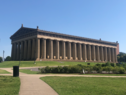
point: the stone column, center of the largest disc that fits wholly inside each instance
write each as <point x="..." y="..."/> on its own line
<point x="89" y="52"/>
<point x="37" y="49"/>
<point x="98" y="57"/>
<point x="51" y="49"/>
<point x="18" y="51"/>
<point x="64" y="50"/>
<point x="75" y="53"/>
<point x="12" y="52"/>
<point x="105" y="54"/>
<point x="22" y="50"/>
<point x="15" y="50"/>
<point x="69" y="50"/>
<point x="113" y="55"/>
<point x="109" y="54"/>
<point x="29" y="49"/>
<point x="84" y="52"/>
<point x="80" y="52"/>
<point x="25" y="50"/>
<point x="57" y="50"/>
<point x="33" y="49"/>
<point x="102" y="55"/>
<point x="93" y="53"/>
<point x="44" y="47"/>
<point x="41" y="48"/>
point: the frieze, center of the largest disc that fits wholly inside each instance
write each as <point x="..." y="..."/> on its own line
<point x="27" y="32"/>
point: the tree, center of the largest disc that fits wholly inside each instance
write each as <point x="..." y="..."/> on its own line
<point x="1" y="59"/>
<point x="121" y="57"/>
<point x="8" y="58"/>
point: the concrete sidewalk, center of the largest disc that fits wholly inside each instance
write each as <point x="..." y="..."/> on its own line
<point x="32" y="85"/>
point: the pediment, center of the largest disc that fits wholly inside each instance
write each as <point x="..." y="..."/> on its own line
<point x="23" y="31"/>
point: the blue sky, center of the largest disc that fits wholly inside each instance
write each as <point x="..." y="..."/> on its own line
<point x="105" y="19"/>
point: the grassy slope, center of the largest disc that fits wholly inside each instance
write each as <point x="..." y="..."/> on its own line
<point x="4" y="72"/>
<point x="9" y="85"/>
<point x="38" y="63"/>
<point x="87" y="85"/>
<point x="28" y="71"/>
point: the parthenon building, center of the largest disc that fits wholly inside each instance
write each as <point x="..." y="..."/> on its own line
<point x="35" y="44"/>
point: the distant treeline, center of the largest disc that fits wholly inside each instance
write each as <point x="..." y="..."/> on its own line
<point x="121" y="57"/>
<point x="8" y="58"/>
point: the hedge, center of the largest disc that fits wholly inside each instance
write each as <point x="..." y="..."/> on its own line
<point x="79" y="68"/>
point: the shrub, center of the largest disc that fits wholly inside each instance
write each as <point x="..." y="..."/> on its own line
<point x="48" y="69"/>
<point x="88" y="63"/>
<point x="79" y="68"/>
<point x="121" y="70"/>
<point x="115" y="70"/>
<point x="108" y="64"/>
<point x="75" y="69"/>
<point x="98" y="64"/>
<point x="95" y="68"/>
<point x="99" y="70"/>
<point x="56" y="69"/>
<point x="103" y="65"/>
<point x="67" y="69"/>
<point x="42" y="70"/>
<point x="79" y="65"/>
<point x="89" y="69"/>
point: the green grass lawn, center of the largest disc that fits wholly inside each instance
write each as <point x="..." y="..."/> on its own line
<point x="39" y="63"/>
<point x="85" y="74"/>
<point x="9" y="85"/>
<point x="4" y="72"/>
<point x="87" y="85"/>
<point x="28" y="71"/>
<point x="106" y="74"/>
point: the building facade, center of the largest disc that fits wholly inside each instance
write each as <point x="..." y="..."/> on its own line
<point x="35" y="44"/>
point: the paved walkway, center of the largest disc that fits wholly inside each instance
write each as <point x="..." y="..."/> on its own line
<point x="31" y="84"/>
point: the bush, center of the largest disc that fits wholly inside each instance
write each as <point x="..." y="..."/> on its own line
<point x="48" y="69"/>
<point x="98" y="64"/>
<point x="99" y="70"/>
<point x="88" y="69"/>
<point x="42" y="70"/>
<point x="95" y="68"/>
<point x="103" y="65"/>
<point x="88" y="63"/>
<point x="78" y="69"/>
<point x="66" y="69"/>
<point x="108" y="64"/>
<point x="116" y="70"/>
<point x="121" y="70"/>
<point x="75" y="69"/>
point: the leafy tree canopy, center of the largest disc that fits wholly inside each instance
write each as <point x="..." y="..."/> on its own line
<point x="1" y="59"/>
<point x="8" y="58"/>
<point x="121" y="57"/>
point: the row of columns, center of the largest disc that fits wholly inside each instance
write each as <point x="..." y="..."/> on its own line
<point x="36" y="49"/>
